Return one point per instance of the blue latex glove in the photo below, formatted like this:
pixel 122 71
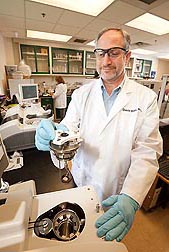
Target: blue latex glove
pixel 116 222
pixel 45 132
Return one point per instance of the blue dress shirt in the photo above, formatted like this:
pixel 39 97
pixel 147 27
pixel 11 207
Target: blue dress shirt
pixel 110 99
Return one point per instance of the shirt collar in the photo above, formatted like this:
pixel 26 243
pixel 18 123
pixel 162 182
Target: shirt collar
pixel 118 88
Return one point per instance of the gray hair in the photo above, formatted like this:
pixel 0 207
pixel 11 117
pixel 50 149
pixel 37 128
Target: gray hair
pixel 126 36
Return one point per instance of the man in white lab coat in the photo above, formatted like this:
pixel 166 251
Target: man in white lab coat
pixel 119 122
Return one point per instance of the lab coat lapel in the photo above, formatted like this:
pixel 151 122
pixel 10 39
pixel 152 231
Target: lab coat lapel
pixel 121 101
pixel 98 101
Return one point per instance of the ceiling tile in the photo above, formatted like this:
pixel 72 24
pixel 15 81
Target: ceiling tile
pixel 12 8
pixel 138 35
pixel 120 12
pixel 65 29
pixel 99 24
pixel 87 34
pixel 35 10
pixel 75 19
pixel 12 22
pixel 144 6
pixel 159 43
pixel 162 10
pixel 39 26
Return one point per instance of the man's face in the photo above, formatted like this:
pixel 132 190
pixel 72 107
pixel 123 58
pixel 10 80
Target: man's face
pixel 112 68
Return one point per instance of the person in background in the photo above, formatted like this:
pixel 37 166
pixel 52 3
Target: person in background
pixel 118 120
pixel 167 88
pixel 60 97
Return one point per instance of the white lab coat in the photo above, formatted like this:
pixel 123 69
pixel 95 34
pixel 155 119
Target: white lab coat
pixel 60 96
pixel 119 151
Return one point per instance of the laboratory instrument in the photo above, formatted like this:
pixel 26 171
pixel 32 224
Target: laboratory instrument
pixel 64 147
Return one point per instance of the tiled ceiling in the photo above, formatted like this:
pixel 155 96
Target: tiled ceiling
pixel 16 16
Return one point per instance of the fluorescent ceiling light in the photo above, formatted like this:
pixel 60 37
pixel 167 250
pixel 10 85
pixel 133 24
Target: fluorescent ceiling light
pixel 47 36
pixel 142 51
pixel 150 23
pixel 91 43
pixel 90 7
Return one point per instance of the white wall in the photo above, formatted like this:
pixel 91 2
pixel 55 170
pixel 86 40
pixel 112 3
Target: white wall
pixel 2 63
pixel 6 58
pixel 163 68
pixel 51 79
pixel 10 59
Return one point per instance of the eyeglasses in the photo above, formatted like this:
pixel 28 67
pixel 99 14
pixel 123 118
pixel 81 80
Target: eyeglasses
pixel 112 52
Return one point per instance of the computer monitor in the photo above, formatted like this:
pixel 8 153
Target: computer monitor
pixel 14 86
pixel 28 92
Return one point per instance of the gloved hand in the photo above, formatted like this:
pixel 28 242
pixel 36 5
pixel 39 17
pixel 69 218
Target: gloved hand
pixel 116 222
pixel 45 132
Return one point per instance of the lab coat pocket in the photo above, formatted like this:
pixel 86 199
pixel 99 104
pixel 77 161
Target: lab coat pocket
pixel 130 121
pixel 128 118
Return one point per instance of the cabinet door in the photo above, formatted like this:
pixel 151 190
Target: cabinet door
pixel 138 66
pixel 42 59
pixel 129 67
pixel 59 60
pixel 90 63
pixel 28 54
pixel 146 68
pixel 37 57
pixel 75 62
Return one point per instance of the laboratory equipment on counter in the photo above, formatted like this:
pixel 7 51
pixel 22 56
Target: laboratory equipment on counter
pixel 64 147
pixel 25 69
pixel 28 92
pixel 47 102
pixel 14 86
pixel 54 221
pixel 19 125
pixel 4 162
